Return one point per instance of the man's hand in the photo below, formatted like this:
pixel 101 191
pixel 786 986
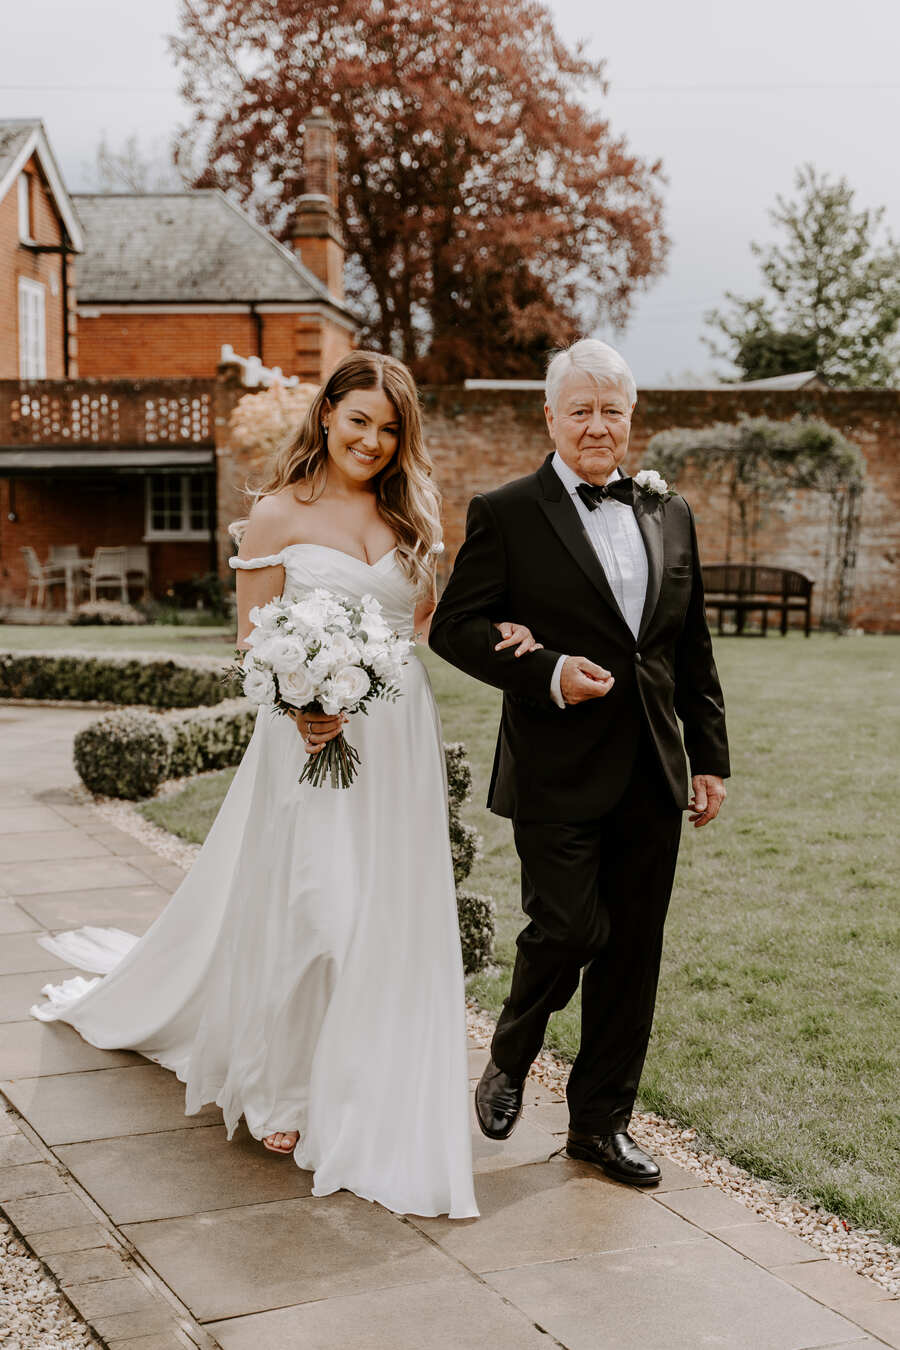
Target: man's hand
pixel 709 794
pixel 581 679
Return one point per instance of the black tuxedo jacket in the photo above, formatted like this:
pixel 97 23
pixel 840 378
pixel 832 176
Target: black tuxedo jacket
pixel 527 558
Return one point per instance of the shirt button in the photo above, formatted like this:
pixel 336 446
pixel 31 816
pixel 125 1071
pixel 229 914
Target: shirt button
pixel 638 658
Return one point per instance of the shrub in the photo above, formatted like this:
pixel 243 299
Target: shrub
pixel 476 929
pixel 130 752
pixel 106 612
pixel 157 682
pixel 123 755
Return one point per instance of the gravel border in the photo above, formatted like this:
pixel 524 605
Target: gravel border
pixel 34 1314
pixel 860 1249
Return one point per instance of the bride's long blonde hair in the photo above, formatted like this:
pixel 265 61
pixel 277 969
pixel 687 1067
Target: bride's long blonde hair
pixel 407 499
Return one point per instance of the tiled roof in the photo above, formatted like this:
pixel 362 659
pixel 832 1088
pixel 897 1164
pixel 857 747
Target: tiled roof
pixel 184 248
pixel 13 135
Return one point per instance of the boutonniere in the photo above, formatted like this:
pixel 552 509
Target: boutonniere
pixel 653 484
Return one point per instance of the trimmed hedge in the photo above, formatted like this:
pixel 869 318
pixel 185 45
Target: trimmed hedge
pixel 128 753
pixel 130 678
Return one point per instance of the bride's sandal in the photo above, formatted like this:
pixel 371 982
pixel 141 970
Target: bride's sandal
pixel 281 1148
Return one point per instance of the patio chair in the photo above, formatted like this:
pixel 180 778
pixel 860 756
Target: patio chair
pixel 40 577
pixel 107 571
pixel 137 568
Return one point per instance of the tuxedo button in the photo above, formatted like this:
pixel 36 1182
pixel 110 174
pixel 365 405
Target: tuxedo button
pixel 638 658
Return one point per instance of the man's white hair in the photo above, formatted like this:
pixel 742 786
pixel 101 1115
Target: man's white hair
pixel 589 356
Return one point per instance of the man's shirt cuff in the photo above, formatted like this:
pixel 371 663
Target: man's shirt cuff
pixel 556 683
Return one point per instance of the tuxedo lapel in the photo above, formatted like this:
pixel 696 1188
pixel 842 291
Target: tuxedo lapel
pixel 649 516
pixel 560 510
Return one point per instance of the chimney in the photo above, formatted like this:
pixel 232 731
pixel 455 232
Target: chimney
pixel 317 236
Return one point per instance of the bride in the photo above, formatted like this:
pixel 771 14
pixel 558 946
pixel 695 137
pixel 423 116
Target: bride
pixel 307 973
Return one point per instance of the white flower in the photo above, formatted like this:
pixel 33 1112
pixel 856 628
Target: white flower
pixel 297 687
pixel 315 610
pixel 264 616
pixel 648 480
pixel 283 653
pixel 342 649
pixel 438 547
pixel 259 687
pixel 349 686
pixel 375 628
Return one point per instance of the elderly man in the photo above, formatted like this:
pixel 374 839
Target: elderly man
pixel 589 762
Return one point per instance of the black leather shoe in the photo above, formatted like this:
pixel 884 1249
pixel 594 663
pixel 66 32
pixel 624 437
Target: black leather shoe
pixel 498 1101
pixel 615 1154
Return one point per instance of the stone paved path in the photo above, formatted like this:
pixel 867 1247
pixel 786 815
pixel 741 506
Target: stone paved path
pixel 163 1234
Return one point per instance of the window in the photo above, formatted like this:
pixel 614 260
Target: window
pixel 32 331
pixel 25 231
pixel 179 506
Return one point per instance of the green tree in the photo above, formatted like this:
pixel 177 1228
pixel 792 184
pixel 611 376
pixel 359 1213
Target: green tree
pixel 489 214
pixel 832 297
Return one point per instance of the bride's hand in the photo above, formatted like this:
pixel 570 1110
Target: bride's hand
pixel 518 636
pixel 317 729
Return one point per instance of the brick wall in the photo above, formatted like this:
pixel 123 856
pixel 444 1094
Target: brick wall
pixel 47 268
pixel 481 438
pixel 149 346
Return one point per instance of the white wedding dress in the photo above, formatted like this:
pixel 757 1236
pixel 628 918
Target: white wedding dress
pixel 307 974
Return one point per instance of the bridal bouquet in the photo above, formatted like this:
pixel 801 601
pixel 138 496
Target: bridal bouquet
pixel 327 654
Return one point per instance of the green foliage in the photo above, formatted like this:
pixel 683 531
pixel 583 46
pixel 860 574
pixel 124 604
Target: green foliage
pixel 476 929
pixel 130 752
pixel 123 755
pixel 172 682
pixel 832 287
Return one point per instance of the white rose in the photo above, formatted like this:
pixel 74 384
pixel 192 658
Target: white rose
pixel 375 628
pixel 320 665
pixel 264 616
pixel 349 685
pixel 259 687
pixel 297 687
pixel 283 654
pixel 313 611
pixel 342 649
pixel 651 481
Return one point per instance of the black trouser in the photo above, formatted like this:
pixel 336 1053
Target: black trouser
pixel 596 893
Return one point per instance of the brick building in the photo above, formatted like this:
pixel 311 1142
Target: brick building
pixel 114 309
pixel 40 235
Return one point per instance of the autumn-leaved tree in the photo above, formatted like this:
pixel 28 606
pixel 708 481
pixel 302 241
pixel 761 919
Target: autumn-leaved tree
pixel 832 292
pixel 489 214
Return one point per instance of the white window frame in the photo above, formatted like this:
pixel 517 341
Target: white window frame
pixel 32 330
pixel 184 533
pixel 25 208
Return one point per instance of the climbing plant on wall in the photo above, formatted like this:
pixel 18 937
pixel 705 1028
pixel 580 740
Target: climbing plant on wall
pixel 759 460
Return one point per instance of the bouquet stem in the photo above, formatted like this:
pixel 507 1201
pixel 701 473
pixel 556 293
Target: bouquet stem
pixel 337 760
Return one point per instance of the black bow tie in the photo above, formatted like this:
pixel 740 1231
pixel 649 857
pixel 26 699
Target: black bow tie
pixel 592 494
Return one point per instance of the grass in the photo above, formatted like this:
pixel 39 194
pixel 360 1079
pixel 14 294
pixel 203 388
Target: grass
pixel 180 639
pixel 776 1027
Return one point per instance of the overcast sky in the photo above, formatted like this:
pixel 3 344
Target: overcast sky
pixel 731 98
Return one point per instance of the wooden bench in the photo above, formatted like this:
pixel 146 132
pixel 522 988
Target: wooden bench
pixel 743 587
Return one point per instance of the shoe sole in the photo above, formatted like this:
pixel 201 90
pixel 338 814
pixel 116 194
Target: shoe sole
pixel 583 1155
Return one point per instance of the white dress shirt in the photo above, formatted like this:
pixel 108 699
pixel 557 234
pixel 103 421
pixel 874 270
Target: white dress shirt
pixel 616 539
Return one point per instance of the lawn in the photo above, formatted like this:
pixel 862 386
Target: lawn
pixel 777 1024
pixel 180 639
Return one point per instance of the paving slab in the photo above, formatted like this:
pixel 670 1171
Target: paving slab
pixel 881 1318
pixel 34 1049
pixel 15 920
pixel 675 1178
pixel 126 1327
pixel 527 1144
pixel 160 872
pixel 178 1172
pixel 708 1207
pixel 81 1267
pixel 102 1103
pixel 19 952
pixel 676 1298
pixel 122 844
pixel 16 819
pixel 451 1314
pixel 231 1262
pixel 45 845
pixel 553 1117
pixel 832 1283
pixel 46 1213
pixel 767 1244
pixel 16 1149
pixel 19 992
pixel 133 908
pixel 82 1237
pixel 554 1211
pixel 40 878
pixel 158 1340
pixel 27 1179
pixel 97 1298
